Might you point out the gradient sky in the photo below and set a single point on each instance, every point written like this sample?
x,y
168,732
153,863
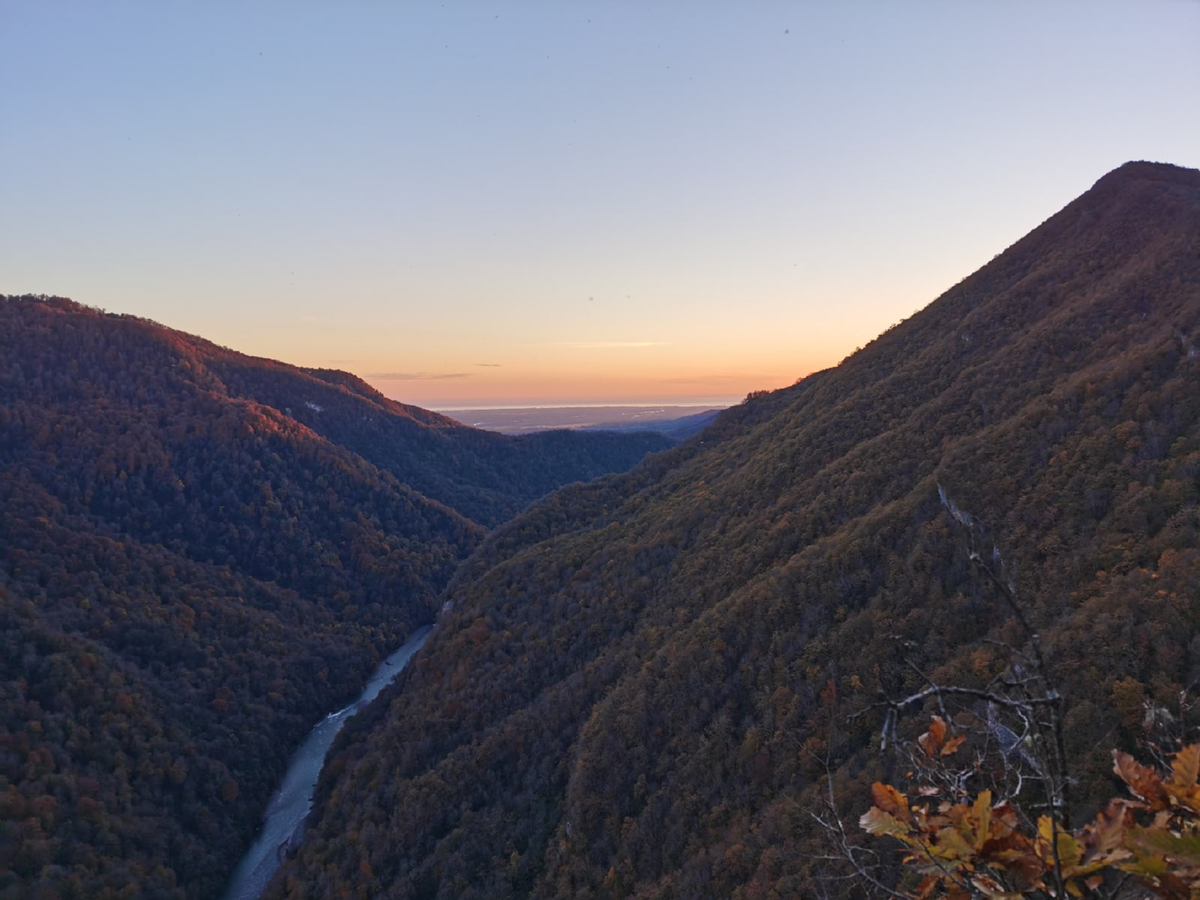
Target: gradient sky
x,y
515,203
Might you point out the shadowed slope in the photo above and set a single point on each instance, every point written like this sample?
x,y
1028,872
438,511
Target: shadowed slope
x,y
642,681
189,579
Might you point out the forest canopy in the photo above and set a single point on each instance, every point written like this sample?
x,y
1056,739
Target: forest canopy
x,y
191,576
646,686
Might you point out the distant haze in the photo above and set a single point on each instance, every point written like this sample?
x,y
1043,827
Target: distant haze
x,y
625,418
550,204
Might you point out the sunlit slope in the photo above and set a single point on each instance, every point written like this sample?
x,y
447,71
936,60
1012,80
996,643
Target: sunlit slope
x,y
485,476
188,580
642,682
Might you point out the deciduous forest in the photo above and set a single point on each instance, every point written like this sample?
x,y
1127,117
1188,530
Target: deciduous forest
x,y
653,685
653,676
202,554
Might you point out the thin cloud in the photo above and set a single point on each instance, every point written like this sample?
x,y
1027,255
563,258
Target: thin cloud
x,y
418,376
710,379
489,365
607,345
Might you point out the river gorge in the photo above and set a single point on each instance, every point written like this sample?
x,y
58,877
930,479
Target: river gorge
x,y
285,814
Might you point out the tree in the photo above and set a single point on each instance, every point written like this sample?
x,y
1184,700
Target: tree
x,y
1012,836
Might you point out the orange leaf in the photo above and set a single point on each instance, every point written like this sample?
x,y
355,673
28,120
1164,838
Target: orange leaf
x,y
1142,780
891,801
953,744
927,886
931,741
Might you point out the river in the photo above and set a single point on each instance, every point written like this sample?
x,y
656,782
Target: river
x,y
293,800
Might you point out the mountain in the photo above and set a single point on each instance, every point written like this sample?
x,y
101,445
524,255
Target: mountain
x,y
485,476
191,576
646,686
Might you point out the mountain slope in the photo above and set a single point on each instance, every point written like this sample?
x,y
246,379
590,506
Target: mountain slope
x,y
485,476
643,681
189,579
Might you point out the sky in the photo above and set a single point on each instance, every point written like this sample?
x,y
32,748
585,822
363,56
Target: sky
x,y
558,203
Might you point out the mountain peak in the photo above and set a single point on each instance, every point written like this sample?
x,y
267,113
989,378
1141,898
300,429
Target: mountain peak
x,y
639,688
1138,186
1143,170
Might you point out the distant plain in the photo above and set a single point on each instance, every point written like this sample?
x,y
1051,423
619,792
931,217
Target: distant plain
x,y
522,420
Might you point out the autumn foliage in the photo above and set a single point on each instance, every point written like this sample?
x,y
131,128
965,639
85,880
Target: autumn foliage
x,y
980,846
642,687
202,554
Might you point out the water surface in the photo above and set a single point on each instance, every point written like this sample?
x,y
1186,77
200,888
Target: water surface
x,y
293,800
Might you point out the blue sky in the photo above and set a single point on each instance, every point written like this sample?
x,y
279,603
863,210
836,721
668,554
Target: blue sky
x,y
534,202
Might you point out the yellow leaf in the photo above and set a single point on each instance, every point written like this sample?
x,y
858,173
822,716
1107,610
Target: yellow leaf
x,y
876,821
983,818
1183,849
1149,866
952,847
1186,766
1069,850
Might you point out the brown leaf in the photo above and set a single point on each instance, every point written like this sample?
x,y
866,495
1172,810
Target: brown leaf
x,y
1104,837
927,886
1004,814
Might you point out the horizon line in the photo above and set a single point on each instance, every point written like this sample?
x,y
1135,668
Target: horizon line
x,y
713,403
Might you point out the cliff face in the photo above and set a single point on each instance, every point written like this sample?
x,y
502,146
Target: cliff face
x,y
642,683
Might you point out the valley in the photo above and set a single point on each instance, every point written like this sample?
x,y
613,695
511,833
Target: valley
x,y
201,555
655,661
647,686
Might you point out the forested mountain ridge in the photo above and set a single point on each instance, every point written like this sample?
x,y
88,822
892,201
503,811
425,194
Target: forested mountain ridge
x,y
485,476
189,579
641,683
